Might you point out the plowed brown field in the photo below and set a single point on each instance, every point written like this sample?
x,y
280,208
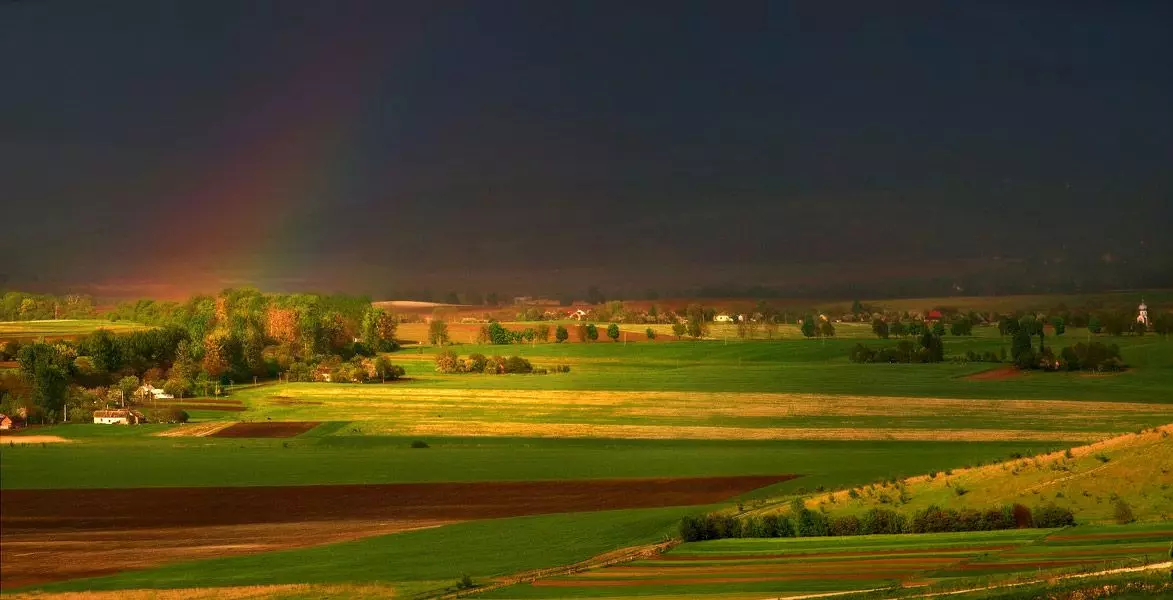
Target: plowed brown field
x,y
42,510
49,535
274,429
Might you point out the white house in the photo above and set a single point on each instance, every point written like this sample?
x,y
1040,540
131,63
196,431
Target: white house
x,y
152,391
722,318
118,417
577,314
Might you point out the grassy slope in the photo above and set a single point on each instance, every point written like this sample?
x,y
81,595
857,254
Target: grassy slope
x,y
368,459
1139,470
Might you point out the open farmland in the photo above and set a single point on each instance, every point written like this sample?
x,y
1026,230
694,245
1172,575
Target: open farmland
x,y
566,473
793,567
57,329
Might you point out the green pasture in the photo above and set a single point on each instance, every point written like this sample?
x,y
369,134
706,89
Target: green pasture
x,y
808,366
56,328
306,460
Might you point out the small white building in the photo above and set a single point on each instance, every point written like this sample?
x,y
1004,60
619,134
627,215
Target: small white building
x,y
119,417
1143,314
722,318
577,314
149,391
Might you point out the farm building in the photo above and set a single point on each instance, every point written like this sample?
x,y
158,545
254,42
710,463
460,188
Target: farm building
x,y
577,314
150,391
119,417
722,318
933,315
6,422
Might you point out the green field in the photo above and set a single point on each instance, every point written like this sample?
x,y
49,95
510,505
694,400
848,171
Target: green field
x,y
61,328
649,410
885,562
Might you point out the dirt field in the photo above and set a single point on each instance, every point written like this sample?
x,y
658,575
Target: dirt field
x,y
44,510
31,558
32,439
50,535
272,429
996,374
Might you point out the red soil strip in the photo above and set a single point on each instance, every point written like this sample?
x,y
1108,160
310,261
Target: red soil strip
x,y
1098,551
804,555
995,374
41,510
272,429
917,563
1024,565
1106,536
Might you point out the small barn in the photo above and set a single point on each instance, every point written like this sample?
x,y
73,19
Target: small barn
x,y
119,417
6,422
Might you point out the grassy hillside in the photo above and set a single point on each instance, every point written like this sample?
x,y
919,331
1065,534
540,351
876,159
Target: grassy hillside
x,y
1136,468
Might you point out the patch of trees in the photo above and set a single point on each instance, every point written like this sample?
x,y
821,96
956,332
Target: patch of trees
x,y
21,306
804,522
199,346
498,334
930,349
1092,356
449,362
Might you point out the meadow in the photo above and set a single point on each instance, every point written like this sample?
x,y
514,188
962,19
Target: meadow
x,y
646,410
62,328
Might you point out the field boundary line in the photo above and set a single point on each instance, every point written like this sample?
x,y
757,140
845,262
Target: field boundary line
x,y
606,559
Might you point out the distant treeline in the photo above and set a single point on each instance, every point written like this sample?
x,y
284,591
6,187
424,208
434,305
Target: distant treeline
x,y
804,522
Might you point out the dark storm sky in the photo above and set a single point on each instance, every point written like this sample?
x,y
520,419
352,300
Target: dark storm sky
x,y
379,146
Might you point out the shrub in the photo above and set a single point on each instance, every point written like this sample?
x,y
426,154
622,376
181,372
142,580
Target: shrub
x,y
881,520
419,444
446,362
561,335
465,582
1122,512
1051,515
475,363
592,332
613,332
848,525
651,333
517,364
1022,516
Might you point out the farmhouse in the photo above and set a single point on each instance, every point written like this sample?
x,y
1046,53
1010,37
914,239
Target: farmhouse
x,y
722,318
150,391
119,417
933,316
6,422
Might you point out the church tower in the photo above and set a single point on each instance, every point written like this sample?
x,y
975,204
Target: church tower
x,y
1143,314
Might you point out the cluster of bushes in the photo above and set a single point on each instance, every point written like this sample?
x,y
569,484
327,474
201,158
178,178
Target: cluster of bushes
x,y
1094,356
172,414
930,350
356,370
449,362
804,522
987,356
